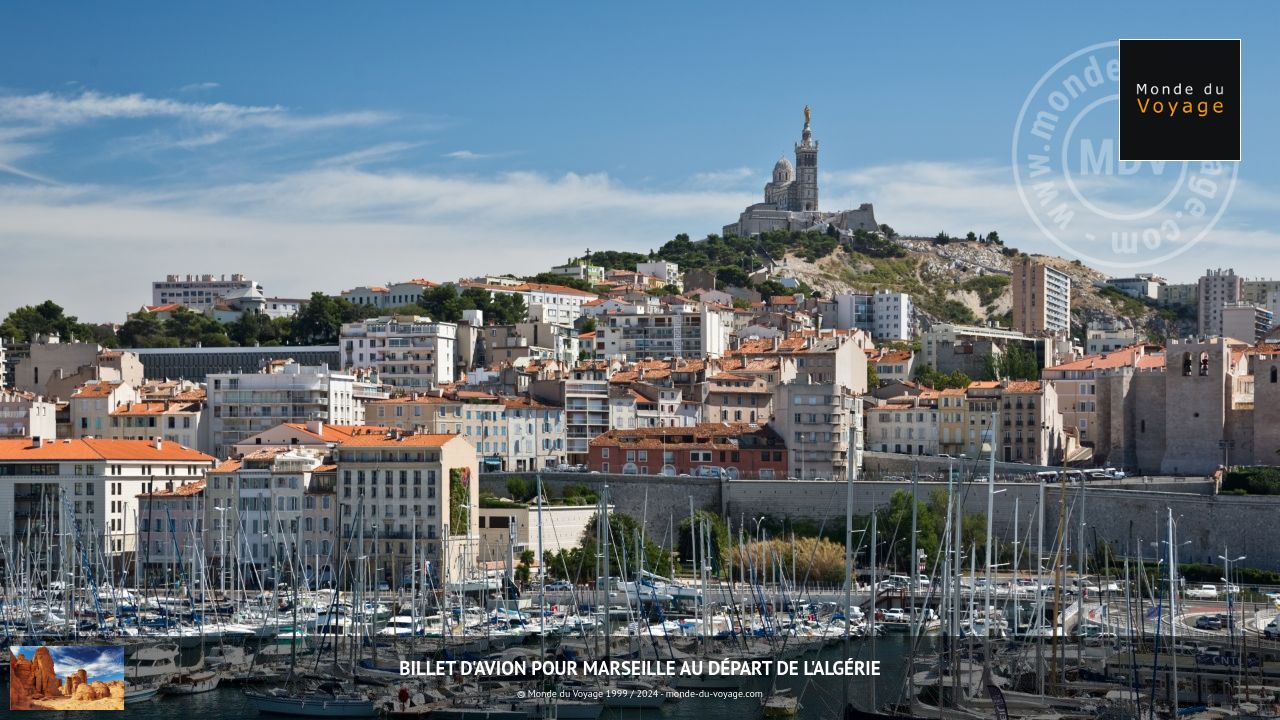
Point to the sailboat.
(325, 700)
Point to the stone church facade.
(791, 198)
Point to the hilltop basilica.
(791, 198)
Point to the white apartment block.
(405, 351)
(691, 330)
(92, 482)
(198, 292)
(891, 313)
(245, 404)
(24, 414)
(667, 272)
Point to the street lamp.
(222, 550)
(1226, 579)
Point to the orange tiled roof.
(98, 449)
(153, 408)
(397, 440)
(340, 433)
(183, 490)
(1124, 357)
(1023, 386)
(95, 390)
(227, 466)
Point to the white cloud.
(198, 87)
(365, 156)
(106, 666)
(733, 179)
(51, 110)
(469, 155)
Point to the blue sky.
(101, 663)
(323, 146)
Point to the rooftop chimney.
(315, 427)
(157, 443)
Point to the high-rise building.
(1041, 298)
(1216, 289)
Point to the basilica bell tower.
(806, 182)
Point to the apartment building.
(819, 356)
(1215, 290)
(584, 394)
(817, 420)
(50, 486)
(170, 532)
(690, 330)
(1030, 427)
(1041, 298)
(242, 405)
(1245, 321)
(255, 507)
(393, 487)
(24, 414)
(55, 369)
(1108, 337)
(737, 398)
(391, 295)
(508, 433)
(405, 351)
(1144, 286)
(494, 346)
(907, 424)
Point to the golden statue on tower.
(806, 114)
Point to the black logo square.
(1180, 100)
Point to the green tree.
(719, 540)
(141, 330)
(926, 375)
(894, 527)
(320, 321)
(189, 328)
(47, 318)
(873, 377)
(1015, 363)
(521, 488)
(550, 278)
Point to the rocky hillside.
(968, 282)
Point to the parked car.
(1208, 622)
(895, 615)
(1272, 630)
(1204, 592)
(559, 585)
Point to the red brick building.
(739, 449)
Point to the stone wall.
(1122, 516)
(660, 501)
